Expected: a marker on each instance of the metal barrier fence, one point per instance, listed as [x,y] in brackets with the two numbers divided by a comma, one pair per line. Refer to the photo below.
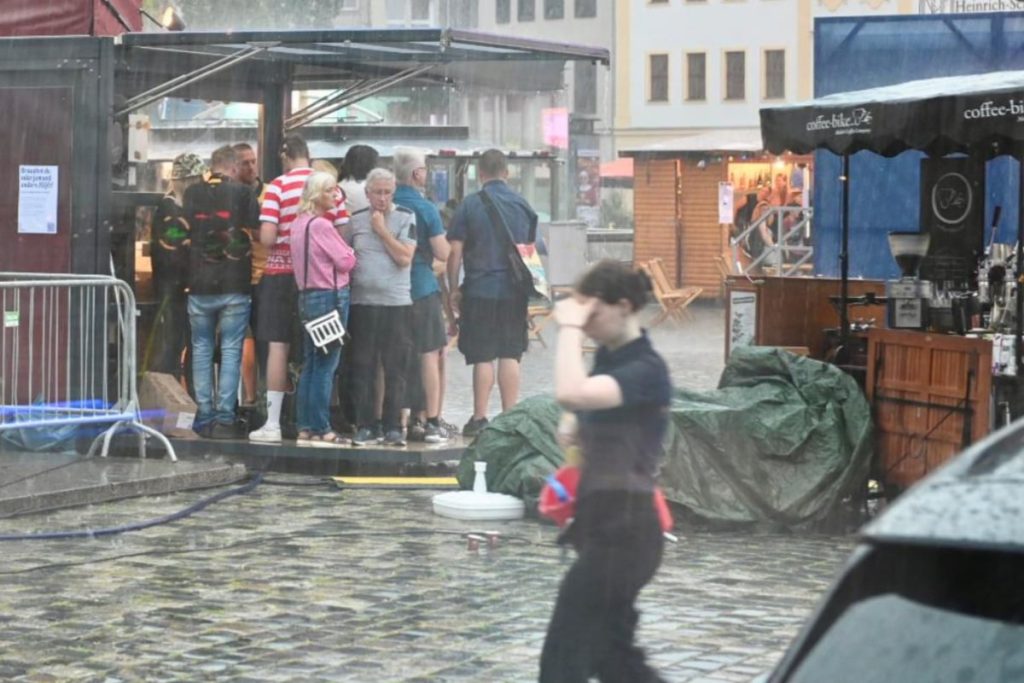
[790,229]
[68,356]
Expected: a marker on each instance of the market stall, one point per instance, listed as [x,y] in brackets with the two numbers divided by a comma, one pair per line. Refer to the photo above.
[980,117]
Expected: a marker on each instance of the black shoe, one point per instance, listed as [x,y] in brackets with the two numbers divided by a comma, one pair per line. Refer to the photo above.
[474,426]
[435,433]
[394,438]
[416,431]
[223,430]
[364,436]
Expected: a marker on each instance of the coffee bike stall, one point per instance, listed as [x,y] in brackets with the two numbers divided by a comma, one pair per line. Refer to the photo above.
[941,365]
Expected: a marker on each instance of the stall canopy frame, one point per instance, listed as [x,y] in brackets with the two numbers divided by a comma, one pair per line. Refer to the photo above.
[980,116]
[261,66]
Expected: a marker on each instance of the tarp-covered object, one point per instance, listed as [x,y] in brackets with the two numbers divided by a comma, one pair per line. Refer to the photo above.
[519,448]
[782,439]
[982,114]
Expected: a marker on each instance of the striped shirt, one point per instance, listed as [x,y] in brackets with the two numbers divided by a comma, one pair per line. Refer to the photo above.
[280,207]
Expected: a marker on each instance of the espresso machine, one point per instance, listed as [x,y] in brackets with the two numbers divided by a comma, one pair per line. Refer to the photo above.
[997,287]
[909,298]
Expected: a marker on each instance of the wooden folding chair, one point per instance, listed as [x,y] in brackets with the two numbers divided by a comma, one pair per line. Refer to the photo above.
[537,317]
[673,302]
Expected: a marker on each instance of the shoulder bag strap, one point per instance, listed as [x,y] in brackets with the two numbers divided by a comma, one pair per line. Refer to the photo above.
[496,217]
[305,272]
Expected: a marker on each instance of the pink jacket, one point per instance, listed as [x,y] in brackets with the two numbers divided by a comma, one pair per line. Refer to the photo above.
[331,259]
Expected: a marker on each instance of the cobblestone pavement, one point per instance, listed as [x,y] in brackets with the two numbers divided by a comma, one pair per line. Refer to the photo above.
[316,584]
[694,352]
[308,583]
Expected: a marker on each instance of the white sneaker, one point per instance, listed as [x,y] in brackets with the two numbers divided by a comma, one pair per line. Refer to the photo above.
[266,434]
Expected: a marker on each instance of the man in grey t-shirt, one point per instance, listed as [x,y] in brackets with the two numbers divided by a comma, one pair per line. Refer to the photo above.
[380,319]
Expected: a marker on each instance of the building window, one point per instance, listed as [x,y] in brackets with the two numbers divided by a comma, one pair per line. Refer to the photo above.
[696,76]
[409,12]
[464,13]
[503,11]
[586,9]
[584,88]
[349,5]
[527,10]
[735,75]
[657,78]
[775,74]
[554,9]
[420,10]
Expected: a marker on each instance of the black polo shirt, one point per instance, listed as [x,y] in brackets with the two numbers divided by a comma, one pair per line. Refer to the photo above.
[220,213]
[622,445]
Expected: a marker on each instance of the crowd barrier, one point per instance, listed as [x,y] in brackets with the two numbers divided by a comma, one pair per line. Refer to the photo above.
[68,357]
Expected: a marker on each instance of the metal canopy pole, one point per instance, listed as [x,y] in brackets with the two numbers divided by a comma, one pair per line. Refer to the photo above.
[304,117]
[1020,272]
[178,82]
[328,99]
[844,255]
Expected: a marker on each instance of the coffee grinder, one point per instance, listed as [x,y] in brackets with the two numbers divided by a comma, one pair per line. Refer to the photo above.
[909,297]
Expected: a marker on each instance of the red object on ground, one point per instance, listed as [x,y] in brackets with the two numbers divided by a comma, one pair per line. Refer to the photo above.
[554,505]
[70,17]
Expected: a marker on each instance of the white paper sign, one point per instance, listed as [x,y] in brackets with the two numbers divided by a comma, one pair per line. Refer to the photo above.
[725,203]
[37,200]
[742,319]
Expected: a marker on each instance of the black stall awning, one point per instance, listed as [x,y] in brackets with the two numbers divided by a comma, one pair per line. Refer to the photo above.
[981,115]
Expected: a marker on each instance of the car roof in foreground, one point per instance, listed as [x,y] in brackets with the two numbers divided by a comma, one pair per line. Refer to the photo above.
[976,501]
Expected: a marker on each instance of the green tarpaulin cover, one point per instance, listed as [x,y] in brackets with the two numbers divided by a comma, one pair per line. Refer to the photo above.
[782,439]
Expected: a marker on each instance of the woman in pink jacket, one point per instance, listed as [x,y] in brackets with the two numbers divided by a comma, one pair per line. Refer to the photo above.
[322,261]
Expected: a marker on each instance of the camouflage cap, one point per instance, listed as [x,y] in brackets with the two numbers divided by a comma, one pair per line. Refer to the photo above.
[187,165]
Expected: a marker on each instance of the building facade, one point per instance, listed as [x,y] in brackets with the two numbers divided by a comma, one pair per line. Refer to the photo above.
[688,67]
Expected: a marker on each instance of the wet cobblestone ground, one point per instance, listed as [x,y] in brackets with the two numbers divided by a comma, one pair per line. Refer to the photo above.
[309,583]
[316,584]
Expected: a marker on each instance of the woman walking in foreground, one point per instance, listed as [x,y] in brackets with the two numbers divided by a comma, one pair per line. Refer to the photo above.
[621,413]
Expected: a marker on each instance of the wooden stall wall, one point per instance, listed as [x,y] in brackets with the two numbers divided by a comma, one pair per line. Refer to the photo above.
[676,215]
[702,235]
[929,395]
[795,311]
[655,200]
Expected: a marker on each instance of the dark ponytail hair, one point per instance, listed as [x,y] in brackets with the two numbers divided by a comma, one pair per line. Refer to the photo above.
[612,281]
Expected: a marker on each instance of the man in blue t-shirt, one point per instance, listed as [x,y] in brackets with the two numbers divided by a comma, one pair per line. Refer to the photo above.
[490,308]
[428,332]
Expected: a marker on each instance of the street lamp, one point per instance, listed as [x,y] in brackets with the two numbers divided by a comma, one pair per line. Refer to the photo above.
[170,19]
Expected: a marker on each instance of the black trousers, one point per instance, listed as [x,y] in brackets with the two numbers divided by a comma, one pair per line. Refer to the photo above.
[171,332]
[619,545]
[380,334]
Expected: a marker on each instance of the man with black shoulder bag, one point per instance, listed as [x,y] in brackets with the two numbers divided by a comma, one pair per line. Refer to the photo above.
[491,305]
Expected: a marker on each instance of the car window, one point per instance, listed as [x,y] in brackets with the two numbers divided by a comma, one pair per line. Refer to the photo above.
[890,638]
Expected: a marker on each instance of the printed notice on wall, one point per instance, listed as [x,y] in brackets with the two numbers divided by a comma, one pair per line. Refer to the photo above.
[37,200]
[742,319]
[725,203]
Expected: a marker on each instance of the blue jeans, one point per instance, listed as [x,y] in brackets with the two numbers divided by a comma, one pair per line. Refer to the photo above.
[205,312]
[318,368]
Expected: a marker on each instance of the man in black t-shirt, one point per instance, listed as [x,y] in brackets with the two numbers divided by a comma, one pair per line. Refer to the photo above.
[220,212]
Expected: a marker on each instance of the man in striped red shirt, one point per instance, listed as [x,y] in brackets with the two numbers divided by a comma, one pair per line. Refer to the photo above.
[277,322]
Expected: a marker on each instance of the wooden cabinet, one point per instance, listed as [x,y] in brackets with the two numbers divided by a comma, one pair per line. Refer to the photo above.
[929,395]
[795,312]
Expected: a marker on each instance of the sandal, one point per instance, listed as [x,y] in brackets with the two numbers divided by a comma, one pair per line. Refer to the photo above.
[330,440]
[305,438]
